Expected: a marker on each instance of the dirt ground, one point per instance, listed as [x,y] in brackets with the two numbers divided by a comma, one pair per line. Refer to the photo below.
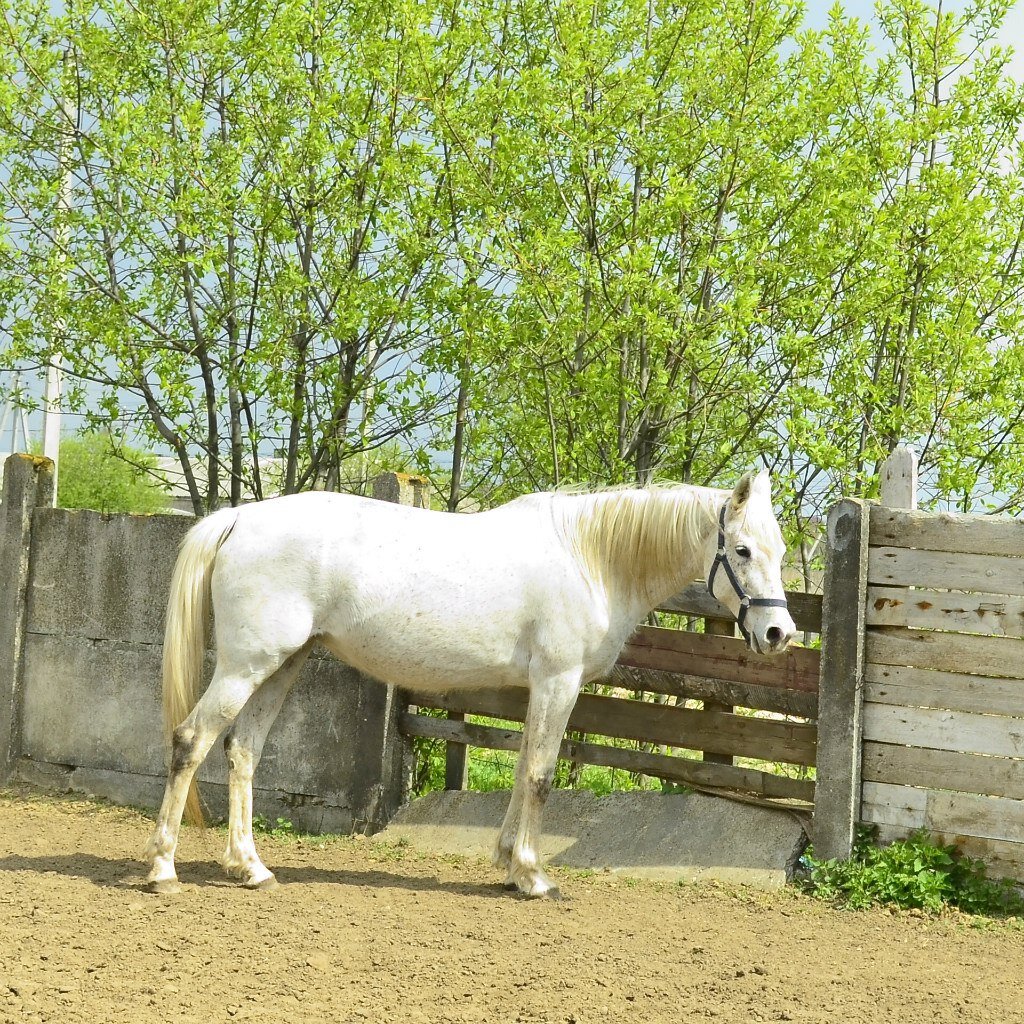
[361,932]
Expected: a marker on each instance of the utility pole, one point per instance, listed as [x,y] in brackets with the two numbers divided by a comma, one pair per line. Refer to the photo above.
[15,418]
[55,370]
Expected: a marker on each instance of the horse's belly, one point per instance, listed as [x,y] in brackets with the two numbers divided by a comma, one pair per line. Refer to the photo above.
[418,659]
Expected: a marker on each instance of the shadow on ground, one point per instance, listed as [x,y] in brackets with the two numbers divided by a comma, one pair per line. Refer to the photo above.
[130,874]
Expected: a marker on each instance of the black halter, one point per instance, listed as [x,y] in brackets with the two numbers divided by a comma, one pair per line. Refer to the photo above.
[746,601]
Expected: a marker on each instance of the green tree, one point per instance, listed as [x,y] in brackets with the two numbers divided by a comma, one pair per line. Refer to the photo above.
[99,473]
[245,261]
[529,242]
[714,238]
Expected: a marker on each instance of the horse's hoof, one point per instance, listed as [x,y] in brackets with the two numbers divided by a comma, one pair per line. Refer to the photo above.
[164,887]
[510,886]
[268,884]
[554,893]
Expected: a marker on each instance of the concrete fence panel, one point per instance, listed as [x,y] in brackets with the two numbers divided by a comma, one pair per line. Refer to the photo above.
[82,636]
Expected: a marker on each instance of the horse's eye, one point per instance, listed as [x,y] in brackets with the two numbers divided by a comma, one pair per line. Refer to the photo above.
[743,551]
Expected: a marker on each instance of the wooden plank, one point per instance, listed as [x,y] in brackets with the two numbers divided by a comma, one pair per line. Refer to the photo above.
[947,652]
[455,768]
[840,699]
[986,574]
[769,739]
[695,600]
[989,614]
[955,691]
[939,729]
[663,766]
[688,687]
[943,769]
[947,531]
[675,650]
[718,627]
[962,814]
[1002,859]
[508,703]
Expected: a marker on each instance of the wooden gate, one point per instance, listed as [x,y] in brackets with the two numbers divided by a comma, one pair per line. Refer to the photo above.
[722,718]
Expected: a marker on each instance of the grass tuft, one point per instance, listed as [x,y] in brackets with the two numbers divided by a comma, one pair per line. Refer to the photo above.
[912,873]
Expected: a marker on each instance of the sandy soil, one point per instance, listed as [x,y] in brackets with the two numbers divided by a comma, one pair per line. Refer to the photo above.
[360,932]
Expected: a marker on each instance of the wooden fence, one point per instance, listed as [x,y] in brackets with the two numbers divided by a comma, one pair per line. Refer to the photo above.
[943,719]
[921,716]
[911,716]
[752,708]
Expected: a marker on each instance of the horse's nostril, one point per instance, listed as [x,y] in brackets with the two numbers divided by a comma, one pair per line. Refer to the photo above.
[773,635]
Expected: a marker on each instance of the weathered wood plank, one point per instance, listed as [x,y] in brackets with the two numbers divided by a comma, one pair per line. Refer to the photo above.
[455,768]
[675,650]
[662,766]
[769,739]
[940,729]
[955,691]
[986,574]
[718,627]
[962,814]
[1002,859]
[988,614]
[695,600]
[943,769]
[840,699]
[947,531]
[688,687]
[947,652]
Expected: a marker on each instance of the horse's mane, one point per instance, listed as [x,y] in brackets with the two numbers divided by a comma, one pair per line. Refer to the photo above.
[635,537]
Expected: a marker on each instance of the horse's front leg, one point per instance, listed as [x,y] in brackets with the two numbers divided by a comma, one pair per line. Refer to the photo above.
[503,848]
[552,698]
[243,746]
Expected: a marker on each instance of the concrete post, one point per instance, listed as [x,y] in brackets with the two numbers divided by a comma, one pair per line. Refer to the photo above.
[898,478]
[403,489]
[396,753]
[28,484]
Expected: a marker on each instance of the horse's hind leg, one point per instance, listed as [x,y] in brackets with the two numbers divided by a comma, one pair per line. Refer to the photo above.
[243,746]
[225,697]
[551,702]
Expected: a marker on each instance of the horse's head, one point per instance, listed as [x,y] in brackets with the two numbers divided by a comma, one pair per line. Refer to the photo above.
[743,564]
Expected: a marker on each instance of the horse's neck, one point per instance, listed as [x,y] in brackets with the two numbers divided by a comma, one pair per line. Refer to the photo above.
[635,563]
[654,587]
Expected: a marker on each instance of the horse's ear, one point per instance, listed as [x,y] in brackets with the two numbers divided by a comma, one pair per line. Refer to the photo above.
[752,484]
[762,485]
[741,492]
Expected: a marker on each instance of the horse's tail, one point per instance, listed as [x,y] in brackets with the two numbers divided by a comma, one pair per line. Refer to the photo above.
[188,617]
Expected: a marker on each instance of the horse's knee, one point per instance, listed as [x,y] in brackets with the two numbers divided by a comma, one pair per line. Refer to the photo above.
[239,757]
[540,785]
[184,753]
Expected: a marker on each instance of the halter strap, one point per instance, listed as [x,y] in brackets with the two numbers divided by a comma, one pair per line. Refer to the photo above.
[746,601]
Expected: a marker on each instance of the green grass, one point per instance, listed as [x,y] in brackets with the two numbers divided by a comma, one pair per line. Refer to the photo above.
[911,873]
[281,828]
[490,770]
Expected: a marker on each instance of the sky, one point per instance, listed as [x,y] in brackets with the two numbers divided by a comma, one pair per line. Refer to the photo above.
[1010,35]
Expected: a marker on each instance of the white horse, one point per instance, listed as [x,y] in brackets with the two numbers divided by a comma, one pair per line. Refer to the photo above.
[541,592]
